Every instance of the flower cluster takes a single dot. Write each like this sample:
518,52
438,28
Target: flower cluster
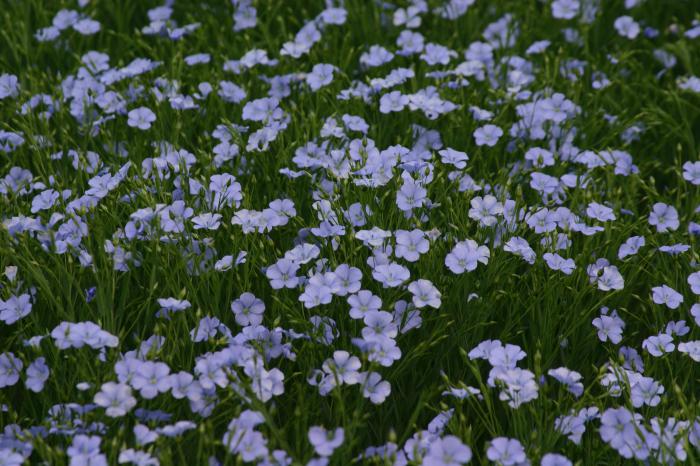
381,232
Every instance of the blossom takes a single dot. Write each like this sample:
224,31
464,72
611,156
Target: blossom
504,356
485,210
630,246
600,212
410,196
411,244
87,26
617,427
15,308
374,388
226,191
694,282
542,221
393,101
376,56
169,305
658,345
231,92
336,16
487,135
316,294
555,459
11,458
454,157
379,324
627,27
141,118
86,450
264,110
610,327
539,157
611,279
116,398
664,217
691,348
466,255
664,294
436,54
565,9
572,425
325,442
346,280
343,367
250,444
391,275
646,391
380,349
207,221
8,86
556,262
506,451
150,379
363,302
695,313
140,458
282,274
520,247
691,172
447,451
519,386
76,335
37,375
321,75
571,379
410,42
424,294
10,367
248,309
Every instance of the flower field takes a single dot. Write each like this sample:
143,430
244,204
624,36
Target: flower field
336,232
